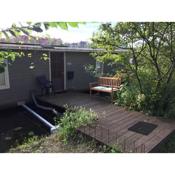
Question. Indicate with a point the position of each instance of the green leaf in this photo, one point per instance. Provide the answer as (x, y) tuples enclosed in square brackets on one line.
[(13, 33), (52, 24), (73, 24), (46, 25), (63, 25), (38, 24), (25, 31), (6, 34)]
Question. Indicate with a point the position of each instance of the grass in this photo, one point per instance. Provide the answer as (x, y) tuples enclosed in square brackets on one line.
[(80, 144), (67, 139), (52, 144)]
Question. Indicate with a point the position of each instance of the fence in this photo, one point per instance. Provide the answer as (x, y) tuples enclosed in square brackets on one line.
[(111, 138)]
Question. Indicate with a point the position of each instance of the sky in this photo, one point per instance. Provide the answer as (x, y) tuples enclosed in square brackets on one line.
[(83, 33)]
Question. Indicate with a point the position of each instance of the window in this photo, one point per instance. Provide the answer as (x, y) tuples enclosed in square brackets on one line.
[(99, 67), (4, 79)]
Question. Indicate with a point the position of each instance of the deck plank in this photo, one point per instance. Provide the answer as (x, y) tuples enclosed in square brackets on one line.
[(113, 122)]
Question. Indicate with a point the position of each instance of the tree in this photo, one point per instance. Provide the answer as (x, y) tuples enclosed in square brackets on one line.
[(29, 27), (149, 57)]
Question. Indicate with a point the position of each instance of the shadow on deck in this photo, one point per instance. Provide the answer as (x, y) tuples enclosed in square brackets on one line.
[(113, 122)]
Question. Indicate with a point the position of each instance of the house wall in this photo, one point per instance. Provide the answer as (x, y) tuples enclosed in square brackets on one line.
[(23, 72), (22, 77), (76, 62)]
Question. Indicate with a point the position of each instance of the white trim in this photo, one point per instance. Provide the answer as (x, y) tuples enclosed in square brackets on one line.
[(65, 79), (7, 83)]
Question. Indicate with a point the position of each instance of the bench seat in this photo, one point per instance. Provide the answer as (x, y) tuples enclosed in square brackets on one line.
[(104, 89)]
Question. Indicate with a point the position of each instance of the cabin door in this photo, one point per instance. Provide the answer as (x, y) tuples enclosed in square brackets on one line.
[(57, 70)]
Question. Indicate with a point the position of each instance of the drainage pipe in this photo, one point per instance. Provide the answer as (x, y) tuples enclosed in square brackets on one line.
[(48, 124), (43, 107)]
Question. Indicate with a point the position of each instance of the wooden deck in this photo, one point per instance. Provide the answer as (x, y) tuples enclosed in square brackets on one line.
[(113, 122)]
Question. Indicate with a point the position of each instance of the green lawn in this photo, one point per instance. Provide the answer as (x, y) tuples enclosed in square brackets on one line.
[(52, 144)]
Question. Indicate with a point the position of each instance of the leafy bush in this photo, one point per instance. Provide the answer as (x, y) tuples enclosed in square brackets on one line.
[(74, 118), (130, 97), (161, 103)]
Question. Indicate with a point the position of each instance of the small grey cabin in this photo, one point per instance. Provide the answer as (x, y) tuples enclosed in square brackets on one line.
[(65, 67)]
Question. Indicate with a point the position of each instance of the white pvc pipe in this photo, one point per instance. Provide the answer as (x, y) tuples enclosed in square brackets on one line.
[(43, 107), (52, 127)]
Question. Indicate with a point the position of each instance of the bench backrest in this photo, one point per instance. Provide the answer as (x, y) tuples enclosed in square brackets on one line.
[(109, 81)]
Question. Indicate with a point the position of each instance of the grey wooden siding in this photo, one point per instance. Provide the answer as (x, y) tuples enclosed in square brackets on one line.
[(23, 79), (76, 62)]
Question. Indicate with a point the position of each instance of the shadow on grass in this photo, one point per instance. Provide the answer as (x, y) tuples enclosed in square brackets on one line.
[(17, 125)]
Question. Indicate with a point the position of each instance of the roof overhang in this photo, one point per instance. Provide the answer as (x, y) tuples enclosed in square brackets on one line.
[(26, 47)]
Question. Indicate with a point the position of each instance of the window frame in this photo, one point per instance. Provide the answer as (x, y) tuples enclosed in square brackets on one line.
[(7, 82), (99, 67)]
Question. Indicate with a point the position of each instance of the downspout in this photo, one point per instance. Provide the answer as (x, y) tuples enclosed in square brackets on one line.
[(48, 124), (43, 107)]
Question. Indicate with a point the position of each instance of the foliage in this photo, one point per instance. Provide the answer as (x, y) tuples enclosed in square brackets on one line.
[(107, 149), (52, 144), (167, 145), (26, 29), (34, 140), (108, 69), (131, 97), (92, 70), (72, 119), (29, 27), (148, 60), (8, 57)]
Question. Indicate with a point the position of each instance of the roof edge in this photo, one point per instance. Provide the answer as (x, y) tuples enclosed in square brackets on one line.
[(26, 47)]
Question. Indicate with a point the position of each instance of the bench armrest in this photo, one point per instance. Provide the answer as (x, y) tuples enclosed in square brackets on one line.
[(93, 84), (118, 87)]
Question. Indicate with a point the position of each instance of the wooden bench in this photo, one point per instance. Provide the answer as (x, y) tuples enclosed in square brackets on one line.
[(106, 84)]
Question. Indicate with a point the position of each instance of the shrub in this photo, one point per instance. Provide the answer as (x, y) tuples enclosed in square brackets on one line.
[(74, 118), (130, 97), (160, 103)]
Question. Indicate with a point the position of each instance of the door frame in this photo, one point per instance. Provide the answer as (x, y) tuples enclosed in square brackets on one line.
[(65, 79), (50, 71)]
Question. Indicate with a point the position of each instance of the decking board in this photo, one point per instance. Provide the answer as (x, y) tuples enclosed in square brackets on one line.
[(113, 122)]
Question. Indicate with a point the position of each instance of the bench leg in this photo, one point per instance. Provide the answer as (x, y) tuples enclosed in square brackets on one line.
[(90, 92), (112, 96)]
